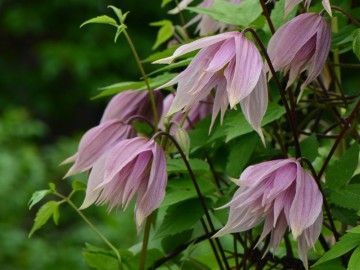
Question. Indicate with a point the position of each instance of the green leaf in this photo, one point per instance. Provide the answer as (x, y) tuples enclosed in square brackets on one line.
[(172, 66), (240, 153), (103, 19), (78, 185), (278, 14), (49, 209), (38, 196), (180, 217), (178, 166), (355, 230), (348, 242), (348, 196), (354, 261), (237, 14), (140, 86), (165, 2), (309, 148), (340, 172), (356, 42), (166, 31), (181, 189), (236, 125), (100, 261)]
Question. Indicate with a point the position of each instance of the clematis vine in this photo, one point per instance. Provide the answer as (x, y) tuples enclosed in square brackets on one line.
[(302, 44), (228, 63), (281, 194), (205, 24)]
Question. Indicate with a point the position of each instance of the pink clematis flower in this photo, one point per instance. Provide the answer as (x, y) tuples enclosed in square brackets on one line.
[(232, 65), (133, 166), (194, 115), (130, 103), (113, 128), (282, 194), (290, 4), (206, 25), (302, 44)]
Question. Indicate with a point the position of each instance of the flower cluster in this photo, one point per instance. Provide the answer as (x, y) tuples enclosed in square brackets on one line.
[(227, 71)]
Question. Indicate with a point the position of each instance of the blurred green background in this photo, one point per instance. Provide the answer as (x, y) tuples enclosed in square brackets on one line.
[(49, 70)]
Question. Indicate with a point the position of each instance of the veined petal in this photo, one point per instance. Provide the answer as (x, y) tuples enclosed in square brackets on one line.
[(327, 6), (220, 102), (255, 104), (248, 67), (323, 43), (155, 190), (195, 45), (307, 203), (290, 4), (95, 142), (223, 56)]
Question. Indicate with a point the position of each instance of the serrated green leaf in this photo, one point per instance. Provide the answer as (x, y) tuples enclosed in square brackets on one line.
[(38, 196), (136, 86), (178, 166), (103, 19), (309, 148), (165, 32), (180, 217), (236, 14), (348, 242), (348, 196), (49, 209), (340, 172), (356, 43)]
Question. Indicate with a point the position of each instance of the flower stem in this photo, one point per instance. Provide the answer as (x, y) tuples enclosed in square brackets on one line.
[(281, 88), (198, 191), (267, 16), (93, 227), (145, 77), (145, 243)]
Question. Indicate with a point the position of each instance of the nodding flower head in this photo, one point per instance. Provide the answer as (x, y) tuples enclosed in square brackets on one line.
[(130, 103), (281, 194), (205, 24), (231, 65), (133, 166), (302, 44)]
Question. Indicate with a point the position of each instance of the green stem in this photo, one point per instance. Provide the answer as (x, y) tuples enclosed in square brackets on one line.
[(145, 242), (92, 226), (145, 77)]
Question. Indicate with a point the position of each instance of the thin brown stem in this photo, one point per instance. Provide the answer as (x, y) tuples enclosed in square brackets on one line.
[(267, 16)]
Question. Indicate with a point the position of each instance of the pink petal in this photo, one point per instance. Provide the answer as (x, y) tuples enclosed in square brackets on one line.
[(196, 45), (151, 198), (96, 142), (255, 104), (225, 53), (307, 203), (248, 67)]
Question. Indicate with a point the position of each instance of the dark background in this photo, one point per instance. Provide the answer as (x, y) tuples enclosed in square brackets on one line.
[(49, 70)]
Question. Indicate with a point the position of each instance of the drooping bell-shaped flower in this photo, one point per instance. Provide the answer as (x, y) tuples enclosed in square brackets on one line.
[(302, 44), (205, 24), (96, 142), (281, 194), (132, 167), (129, 103), (290, 4), (113, 127), (228, 63), (188, 119)]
